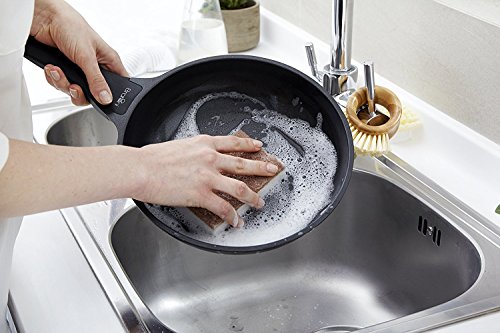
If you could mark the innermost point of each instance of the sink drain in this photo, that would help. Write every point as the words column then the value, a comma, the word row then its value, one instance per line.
column 338, row 329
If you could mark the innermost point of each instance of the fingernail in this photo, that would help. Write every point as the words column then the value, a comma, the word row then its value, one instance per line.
column 55, row 75
column 105, row 97
column 241, row 223
column 271, row 168
column 261, row 203
column 257, row 143
column 235, row 221
column 73, row 93
column 277, row 160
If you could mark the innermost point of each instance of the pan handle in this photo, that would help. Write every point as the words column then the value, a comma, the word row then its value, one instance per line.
column 123, row 90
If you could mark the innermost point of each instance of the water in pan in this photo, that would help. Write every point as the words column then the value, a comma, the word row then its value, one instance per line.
column 310, row 159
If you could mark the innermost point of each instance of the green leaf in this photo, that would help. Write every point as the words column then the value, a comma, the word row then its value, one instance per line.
column 497, row 210
column 235, row 4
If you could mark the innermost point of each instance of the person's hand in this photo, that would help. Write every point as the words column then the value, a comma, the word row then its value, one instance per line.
column 187, row 172
column 57, row 24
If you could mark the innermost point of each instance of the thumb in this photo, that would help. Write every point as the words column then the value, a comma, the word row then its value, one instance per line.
column 97, row 84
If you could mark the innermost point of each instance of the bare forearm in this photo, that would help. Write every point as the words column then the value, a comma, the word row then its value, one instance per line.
column 175, row 173
column 38, row 177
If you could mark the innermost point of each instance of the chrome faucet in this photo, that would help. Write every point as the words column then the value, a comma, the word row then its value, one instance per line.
column 339, row 77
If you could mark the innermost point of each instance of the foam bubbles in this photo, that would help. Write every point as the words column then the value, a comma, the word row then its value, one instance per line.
column 310, row 159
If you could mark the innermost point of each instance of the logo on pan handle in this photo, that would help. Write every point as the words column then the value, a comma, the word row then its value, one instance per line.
column 122, row 99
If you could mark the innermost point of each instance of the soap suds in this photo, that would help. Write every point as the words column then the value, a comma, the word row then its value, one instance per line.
column 310, row 159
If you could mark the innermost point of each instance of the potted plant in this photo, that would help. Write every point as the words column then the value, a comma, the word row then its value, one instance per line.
column 242, row 22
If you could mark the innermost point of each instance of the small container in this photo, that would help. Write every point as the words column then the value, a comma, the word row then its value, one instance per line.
column 202, row 31
column 242, row 27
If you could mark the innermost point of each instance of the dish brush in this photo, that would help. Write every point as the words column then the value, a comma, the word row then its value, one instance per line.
column 371, row 129
column 408, row 125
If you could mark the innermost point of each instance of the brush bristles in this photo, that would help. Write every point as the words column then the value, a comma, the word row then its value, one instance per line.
column 369, row 144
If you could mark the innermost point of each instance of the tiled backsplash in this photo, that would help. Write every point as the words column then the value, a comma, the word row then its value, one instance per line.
column 442, row 55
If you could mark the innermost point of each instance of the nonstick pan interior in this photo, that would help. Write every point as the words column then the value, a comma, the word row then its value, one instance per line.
column 241, row 84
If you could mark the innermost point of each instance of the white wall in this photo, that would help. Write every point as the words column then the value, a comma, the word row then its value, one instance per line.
column 447, row 56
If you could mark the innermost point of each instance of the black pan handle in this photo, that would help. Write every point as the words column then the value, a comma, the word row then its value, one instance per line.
column 123, row 90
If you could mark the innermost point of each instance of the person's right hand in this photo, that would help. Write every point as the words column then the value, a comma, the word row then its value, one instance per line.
column 187, row 172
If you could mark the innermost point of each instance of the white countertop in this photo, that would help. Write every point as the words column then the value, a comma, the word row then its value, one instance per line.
column 53, row 288
column 66, row 297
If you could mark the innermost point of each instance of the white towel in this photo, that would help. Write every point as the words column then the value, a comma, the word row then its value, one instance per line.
column 147, row 54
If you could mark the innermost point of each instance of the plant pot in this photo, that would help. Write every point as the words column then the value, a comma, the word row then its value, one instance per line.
column 242, row 27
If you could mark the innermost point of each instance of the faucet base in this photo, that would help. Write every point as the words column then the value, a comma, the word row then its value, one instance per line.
column 337, row 82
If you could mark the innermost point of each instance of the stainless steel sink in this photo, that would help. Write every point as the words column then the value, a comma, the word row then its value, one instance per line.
column 84, row 128
column 358, row 268
column 399, row 254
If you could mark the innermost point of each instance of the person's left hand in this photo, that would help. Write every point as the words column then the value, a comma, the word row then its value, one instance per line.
column 57, row 24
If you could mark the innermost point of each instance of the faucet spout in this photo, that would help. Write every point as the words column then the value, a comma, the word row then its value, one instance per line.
column 340, row 48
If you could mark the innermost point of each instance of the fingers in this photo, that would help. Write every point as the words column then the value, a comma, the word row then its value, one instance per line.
column 104, row 55
column 224, row 210
column 77, row 95
column 231, row 143
column 97, row 84
column 89, row 63
column 109, row 58
column 238, row 190
column 55, row 76
column 241, row 166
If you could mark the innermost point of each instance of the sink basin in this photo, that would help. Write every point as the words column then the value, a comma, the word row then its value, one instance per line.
column 84, row 128
column 399, row 254
column 393, row 257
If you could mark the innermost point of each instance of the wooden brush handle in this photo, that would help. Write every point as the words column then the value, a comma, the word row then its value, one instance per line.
column 384, row 97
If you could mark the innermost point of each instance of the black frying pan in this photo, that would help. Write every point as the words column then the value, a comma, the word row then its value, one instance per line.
column 149, row 111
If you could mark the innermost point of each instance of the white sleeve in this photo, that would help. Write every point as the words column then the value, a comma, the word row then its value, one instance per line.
column 4, row 150
column 13, row 27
